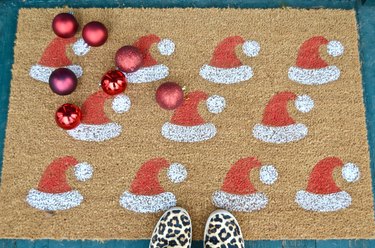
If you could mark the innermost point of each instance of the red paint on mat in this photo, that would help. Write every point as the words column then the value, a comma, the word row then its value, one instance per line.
column 55, row 53
column 187, row 114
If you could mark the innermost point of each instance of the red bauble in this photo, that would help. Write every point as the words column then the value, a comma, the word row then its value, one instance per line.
column 95, row 34
column 65, row 25
column 169, row 96
column 128, row 59
column 63, row 81
column 68, row 116
column 114, row 82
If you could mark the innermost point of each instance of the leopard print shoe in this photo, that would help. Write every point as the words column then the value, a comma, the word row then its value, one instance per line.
column 173, row 230
column 222, row 230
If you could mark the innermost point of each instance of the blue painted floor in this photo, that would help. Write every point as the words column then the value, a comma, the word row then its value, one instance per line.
column 366, row 20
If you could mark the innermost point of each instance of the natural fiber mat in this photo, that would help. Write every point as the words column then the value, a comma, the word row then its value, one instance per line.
column 272, row 127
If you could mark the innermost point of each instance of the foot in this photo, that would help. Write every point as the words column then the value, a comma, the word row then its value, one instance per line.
column 173, row 230
column 222, row 230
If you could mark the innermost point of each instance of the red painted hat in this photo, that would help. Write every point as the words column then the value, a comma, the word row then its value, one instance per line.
column 238, row 193
column 146, row 195
column 225, row 67
column 54, row 192
column 322, row 193
column 95, row 125
column 311, row 68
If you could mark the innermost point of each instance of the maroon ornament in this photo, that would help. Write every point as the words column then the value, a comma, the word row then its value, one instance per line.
column 169, row 95
column 62, row 81
column 114, row 82
column 68, row 116
column 95, row 34
column 128, row 59
column 65, row 25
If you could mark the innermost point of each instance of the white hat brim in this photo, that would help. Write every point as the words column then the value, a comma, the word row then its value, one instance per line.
column 188, row 133
column 147, row 74
column 42, row 73
column 323, row 202
column 314, row 76
column 240, row 203
column 148, row 203
column 98, row 133
column 280, row 135
column 54, row 201
column 226, row 75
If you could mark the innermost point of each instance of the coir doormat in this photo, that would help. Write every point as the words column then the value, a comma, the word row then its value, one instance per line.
column 272, row 127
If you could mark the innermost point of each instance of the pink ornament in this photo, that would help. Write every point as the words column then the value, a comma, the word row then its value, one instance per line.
column 95, row 34
column 128, row 59
column 65, row 25
column 169, row 95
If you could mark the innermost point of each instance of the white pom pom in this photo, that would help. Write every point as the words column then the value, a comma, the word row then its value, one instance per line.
column 304, row 103
column 121, row 104
column 80, row 47
column 350, row 172
column 166, row 47
column 251, row 48
column 215, row 104
column 335, row 48
column 268, row 174
column 83, row 171
column 177, row 173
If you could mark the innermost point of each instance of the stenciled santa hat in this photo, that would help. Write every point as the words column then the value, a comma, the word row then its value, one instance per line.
column 146, row 195
column 238, row 193
column 277, row 126
column 54, row 56
column 54, row 192
column 310, row 68
column 151, row 70
column 225, row 67
column 95, row 125
column 187, row 125
column 322, row 194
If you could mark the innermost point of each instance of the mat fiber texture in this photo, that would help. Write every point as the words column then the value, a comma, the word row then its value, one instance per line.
column 312, row 149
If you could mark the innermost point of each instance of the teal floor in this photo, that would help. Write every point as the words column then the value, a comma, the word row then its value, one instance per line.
column 366, row 19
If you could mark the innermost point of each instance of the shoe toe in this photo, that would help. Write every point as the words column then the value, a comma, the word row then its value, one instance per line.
column 223, row 230
column 174, row 229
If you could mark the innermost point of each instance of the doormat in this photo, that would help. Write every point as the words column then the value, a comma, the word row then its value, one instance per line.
column 272, row 127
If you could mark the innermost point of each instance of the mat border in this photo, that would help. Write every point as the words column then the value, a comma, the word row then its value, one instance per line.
column 365, row 16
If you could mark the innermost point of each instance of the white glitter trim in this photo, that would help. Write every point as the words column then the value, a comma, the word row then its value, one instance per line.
column 314, row 76
column 280, row 135
column 335, row 48
column 98, row 133
column 83, row 171
column 166, row 47
column 148, row 203
column 148, row 74
column 80, row 47
column 304, row 103
column 268, row 174
column 216, row 104
column 52, row 202
column 251, row 48
column 42, row 73
column 323, row 202
column 241, row 203
column 177, row 173
column 350, row 172
column 121, row 104
column 188, row 133
column 226, row 75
